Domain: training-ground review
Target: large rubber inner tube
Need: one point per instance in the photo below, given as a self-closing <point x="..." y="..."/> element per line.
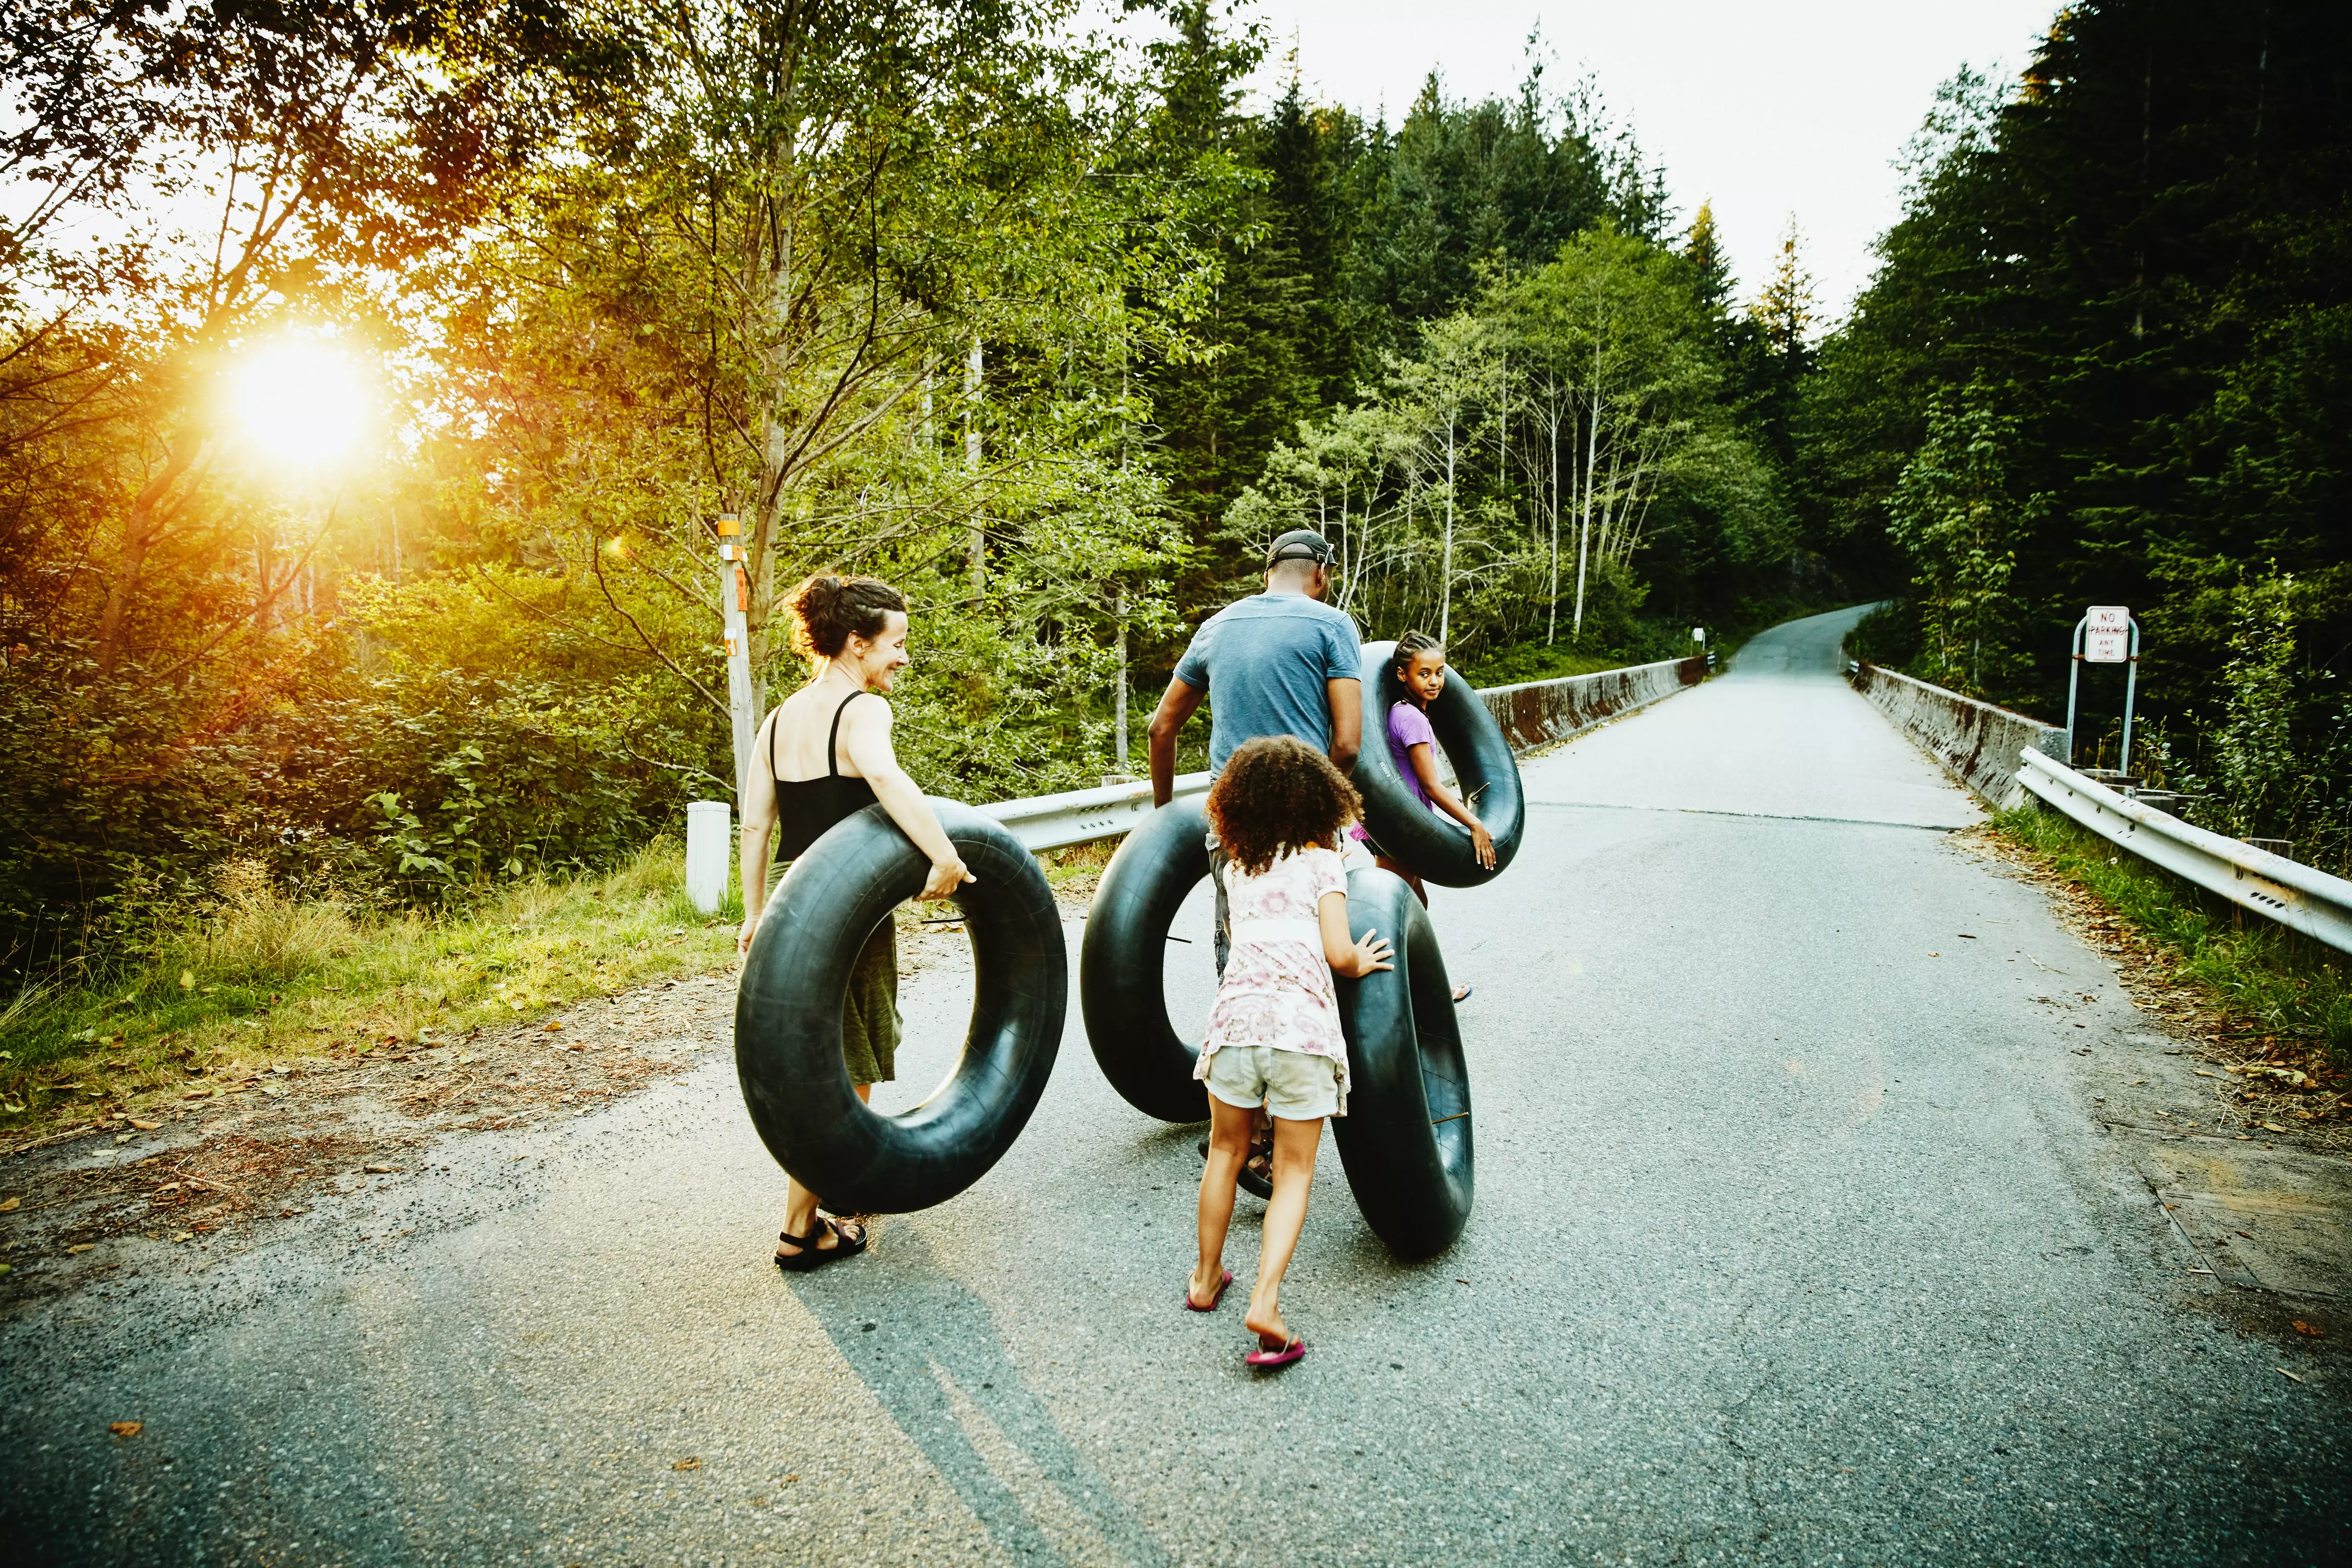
<point x="1437" y="848"/>
<point x="1405" y="1141"/>
<point x="1123" y="970"/>
<point x="796" y="976"/>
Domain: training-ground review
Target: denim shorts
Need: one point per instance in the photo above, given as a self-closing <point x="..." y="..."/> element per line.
<point x="1294" y="1085"/>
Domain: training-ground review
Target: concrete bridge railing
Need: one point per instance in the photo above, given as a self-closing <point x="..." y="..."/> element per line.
<point x="1539" y="712"/>
<point x="1977" y="741"/>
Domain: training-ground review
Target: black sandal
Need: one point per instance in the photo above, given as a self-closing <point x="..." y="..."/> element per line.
<point x="812" y="1256"/>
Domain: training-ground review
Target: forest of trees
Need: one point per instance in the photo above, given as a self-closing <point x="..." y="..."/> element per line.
<point x="1054" y="330"/>
<point x="2106" y="358"/>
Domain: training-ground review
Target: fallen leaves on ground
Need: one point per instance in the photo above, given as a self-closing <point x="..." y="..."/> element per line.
<point x="2270" y="1076"/>
<point x="2308" y="1330"/>
<point x="687" y="1464"/>
<point x="126" y="1428"/>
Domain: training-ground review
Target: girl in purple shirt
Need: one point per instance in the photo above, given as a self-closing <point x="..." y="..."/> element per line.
<point x="1419" y="665"/>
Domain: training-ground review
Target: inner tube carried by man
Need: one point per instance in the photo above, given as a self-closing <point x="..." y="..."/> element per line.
<point x="1405" y="1142"/>
<point x="1122" y="984"/>
<point x="1406" y="830"/>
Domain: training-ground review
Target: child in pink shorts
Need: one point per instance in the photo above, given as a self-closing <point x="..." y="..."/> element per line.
<point x="1278" y="809"/>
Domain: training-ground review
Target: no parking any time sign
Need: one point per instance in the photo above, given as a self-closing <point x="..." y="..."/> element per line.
<point x="2108" y="634"/>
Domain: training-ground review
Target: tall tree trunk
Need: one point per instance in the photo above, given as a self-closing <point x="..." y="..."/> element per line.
<point x="1551" y="614"/>
<point x="1445" y="570"/>
<point x="976" y="542"/>
<point x="1584" y="524"/>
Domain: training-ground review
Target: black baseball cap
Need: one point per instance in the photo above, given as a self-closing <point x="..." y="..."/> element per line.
<point x="1300" y="544"/>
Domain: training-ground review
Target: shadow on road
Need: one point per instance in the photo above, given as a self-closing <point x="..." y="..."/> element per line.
<point x="929" y="1350"/>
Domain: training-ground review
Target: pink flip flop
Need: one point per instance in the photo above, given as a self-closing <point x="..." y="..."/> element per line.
<point x="1265" y="1361"/>
<point x="1214" y="1301"/>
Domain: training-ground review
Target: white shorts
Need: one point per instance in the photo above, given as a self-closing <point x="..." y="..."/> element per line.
<point x="1296" y="1085"/>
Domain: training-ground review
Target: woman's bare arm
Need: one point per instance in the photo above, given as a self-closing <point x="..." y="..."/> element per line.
<point x="759" y="827"/>
<point x="866" y="741"/>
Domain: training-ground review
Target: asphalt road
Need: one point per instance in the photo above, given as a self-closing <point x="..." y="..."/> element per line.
<point x="1797" y="1240"/>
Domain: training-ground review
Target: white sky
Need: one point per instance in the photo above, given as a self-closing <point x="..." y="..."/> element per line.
<point x="1766" y="107"/>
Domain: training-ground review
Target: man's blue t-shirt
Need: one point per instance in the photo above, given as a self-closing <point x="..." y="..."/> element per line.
<point x="1263" y="662"/>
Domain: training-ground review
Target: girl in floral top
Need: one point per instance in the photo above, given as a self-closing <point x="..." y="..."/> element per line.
<point x="1278" y="809"/>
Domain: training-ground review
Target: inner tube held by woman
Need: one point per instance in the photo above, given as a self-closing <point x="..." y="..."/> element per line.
<point x="1405" y="1142"/>
<point x="816" y="1014"/>
<point x="1434" y="847"/>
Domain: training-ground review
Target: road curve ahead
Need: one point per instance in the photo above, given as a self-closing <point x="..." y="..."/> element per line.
<point x="1799" y="1239"/>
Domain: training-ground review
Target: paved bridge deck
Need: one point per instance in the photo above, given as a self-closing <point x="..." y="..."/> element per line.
<point x="1798" y="1240"/>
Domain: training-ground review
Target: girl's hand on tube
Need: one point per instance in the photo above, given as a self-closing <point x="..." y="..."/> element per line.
<point x="743" y="937"/>
<point x="947" y="876"/>
<point x="1483" y="843"/>
<point x="1372" y="954"/>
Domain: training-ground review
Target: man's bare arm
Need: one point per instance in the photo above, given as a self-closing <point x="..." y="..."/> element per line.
<point x="1178" y="703"/>
<point x="1347" y="700"/>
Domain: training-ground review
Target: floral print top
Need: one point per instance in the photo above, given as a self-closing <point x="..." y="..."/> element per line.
<point x="1277" y="987"/>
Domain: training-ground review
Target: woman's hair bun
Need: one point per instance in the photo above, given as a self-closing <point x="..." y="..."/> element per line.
<point x="828" y="610"/>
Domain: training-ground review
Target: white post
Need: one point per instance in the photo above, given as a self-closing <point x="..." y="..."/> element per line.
<point x="707" y="852"/>
<point x="735" y="604"/>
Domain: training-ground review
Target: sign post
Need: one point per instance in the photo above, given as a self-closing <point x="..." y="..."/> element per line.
<point x="735" y="606"/>
<point x="2105" y="635"/>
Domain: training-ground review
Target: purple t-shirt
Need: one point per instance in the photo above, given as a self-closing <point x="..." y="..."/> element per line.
<point x="1408" y="728"/>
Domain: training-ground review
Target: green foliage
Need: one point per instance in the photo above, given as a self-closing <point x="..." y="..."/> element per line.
<point x="2138" y="252"/>
<point x="2266" y="978"/>
<point x="1952" y="513"/>
<point x="1544" y="457"/>
<point x="242" y="969"/>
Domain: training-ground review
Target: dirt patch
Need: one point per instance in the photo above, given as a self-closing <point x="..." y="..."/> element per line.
<point x="243" y="1146"/>
<point x="239" y="1151"/>
<point x="2271" y="1088"/>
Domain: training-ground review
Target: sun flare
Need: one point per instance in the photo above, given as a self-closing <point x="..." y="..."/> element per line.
<point x="303" y="403"/>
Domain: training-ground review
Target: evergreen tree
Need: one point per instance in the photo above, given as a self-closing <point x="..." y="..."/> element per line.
<point x="1785" y="318"/>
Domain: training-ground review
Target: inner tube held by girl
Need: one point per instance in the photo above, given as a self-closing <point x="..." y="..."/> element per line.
<point x="1405" y="1142"/>
<point x="1122" y="988"/>
<point x="796" y="977"/>
<point x="1433" y="847"/>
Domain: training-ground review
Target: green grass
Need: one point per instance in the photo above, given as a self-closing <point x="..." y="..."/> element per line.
<point x="2261" y="975"/>
<point x="267" y="977"/>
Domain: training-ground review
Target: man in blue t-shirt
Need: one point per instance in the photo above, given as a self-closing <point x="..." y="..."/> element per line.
<point x="1279" y="663"/>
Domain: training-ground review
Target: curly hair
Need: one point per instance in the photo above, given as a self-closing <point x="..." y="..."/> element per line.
<point x="1279" y="794"/>
<point x="827" y="611"/>
<point x="1412" y="644"/>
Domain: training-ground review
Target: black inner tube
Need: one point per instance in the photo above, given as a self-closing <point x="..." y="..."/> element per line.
<point x="1122" y="964"/>
<point x="1437" y="848"/>
<point x="1405" y="1142"/>
<point x="796" y="976"/>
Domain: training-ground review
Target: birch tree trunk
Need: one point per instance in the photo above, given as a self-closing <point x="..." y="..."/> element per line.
<point x="976" y="541"/>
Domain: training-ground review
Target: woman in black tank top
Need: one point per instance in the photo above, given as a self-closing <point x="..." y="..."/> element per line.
<point x="854" y="632"/>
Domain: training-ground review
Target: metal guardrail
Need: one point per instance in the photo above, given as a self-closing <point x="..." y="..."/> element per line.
<point x="1082" y="816"/>
<point x="2295" y="895"/>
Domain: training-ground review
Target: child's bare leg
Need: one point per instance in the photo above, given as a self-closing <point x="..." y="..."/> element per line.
<point x="1229" y="1141"/>
<point x="1295" y="1144"/>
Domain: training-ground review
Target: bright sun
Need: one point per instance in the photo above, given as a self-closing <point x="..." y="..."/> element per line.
<point x="303" y="402"/>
